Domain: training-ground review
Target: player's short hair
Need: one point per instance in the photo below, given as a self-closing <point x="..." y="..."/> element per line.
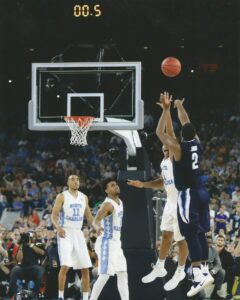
<point x="106" y="182"/>
<point x="188" y="131"/>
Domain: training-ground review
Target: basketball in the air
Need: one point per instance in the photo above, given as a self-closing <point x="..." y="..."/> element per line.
<point x="171" y="66"/>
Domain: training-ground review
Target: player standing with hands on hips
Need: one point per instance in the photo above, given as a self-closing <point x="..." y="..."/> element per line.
<point x="193" y="198"/>
<point x="67" y="216"/>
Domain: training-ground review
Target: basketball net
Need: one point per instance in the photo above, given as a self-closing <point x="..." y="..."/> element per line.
<point x="79" y="126"/>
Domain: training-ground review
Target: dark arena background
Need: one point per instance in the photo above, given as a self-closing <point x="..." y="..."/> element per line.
<point x="35" y="164"/>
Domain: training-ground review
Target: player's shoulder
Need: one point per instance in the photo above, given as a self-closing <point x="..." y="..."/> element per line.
<point x="107" y="204"/>
<point x="82" y="194"/>
<point x="108" y="201"/>
<point x="64" y="194"/>
<point x="60" y="197"/>
<point x="189" y="144"/>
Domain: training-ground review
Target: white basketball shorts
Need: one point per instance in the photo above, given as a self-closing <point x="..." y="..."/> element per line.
<point x="111" y="258"/>
<point x="72" y="250"/>
<point x="170" y="221"/>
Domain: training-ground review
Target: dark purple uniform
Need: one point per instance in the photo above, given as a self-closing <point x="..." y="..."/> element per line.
<point x="193" y="199"/>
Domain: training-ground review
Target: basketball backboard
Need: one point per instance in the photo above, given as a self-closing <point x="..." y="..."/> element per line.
<point x="108" y="91"/>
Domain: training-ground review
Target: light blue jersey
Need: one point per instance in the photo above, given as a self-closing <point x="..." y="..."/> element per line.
<point x="168" y="178"/>
<point x="112" y="224"/>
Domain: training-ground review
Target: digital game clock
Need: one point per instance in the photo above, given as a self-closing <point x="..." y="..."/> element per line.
<point x="86" y="10"/>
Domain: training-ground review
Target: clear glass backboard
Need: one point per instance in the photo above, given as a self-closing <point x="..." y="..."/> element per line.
<point x="108" y="91"/>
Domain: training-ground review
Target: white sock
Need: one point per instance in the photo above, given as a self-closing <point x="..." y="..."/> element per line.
<point x="122" y="283"/>
<point x="85" y="295"/>
<point x="60" y="294"/>
<point x="161" y="263"/>
<point x="180" y="268"/>
<point x="98" y="286"/>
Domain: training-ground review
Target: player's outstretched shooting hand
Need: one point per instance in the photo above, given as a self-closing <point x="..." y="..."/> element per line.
<point x="178" y="102"/>
<point x="61" y="232"/>
<point x="165" y="100"/>
<point x="135" y="183"/>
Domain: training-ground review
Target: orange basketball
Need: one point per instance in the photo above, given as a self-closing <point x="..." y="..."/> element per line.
<point x="171" y="66"/>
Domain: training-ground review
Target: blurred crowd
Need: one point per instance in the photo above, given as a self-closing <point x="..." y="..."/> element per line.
<point x="34" y="169"/>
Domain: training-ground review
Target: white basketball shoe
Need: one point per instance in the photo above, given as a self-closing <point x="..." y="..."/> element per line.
<point x="202" y="278"/>
<point x="157" y="271"/>
<point x="178" y="276"/>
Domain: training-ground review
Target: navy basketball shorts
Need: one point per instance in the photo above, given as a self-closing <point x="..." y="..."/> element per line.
<point x="193" y="211"/>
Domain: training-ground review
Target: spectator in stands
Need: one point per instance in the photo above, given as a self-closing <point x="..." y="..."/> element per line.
<point x="235" y="221"/>
<point x="27" y="203"/>
<point x="221" y="219"/>
<point x="34" y="218"/>
<point x="236" y="255"/>
<point x="47" y="216"/>
<point x="52" y="265"/>
<point x="3" y="202"/>
<point x="28" y="267"/>
<point x="236" y="195"/>
<point x="225" y="200"/>
<point x="12" y="248"/>
<point x="108" y="173"/>
<point x="212" y="217"/>
<point x="215" y="268"/>
<point x="62" y="161"/>
<point x="227" y="262"/>
<point x="91" y="249"/>
<point x="4" y="269"/>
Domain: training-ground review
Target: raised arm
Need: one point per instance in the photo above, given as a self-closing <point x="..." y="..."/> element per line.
<point x="55" y="214"/>
<point x="169" y="125"/>
<point x="153" y="184"/>
<point x="165" y="138"/>
<point x="182" y="114"/>
<point x="105" y="210"/>
<point x="88" y="213"/>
